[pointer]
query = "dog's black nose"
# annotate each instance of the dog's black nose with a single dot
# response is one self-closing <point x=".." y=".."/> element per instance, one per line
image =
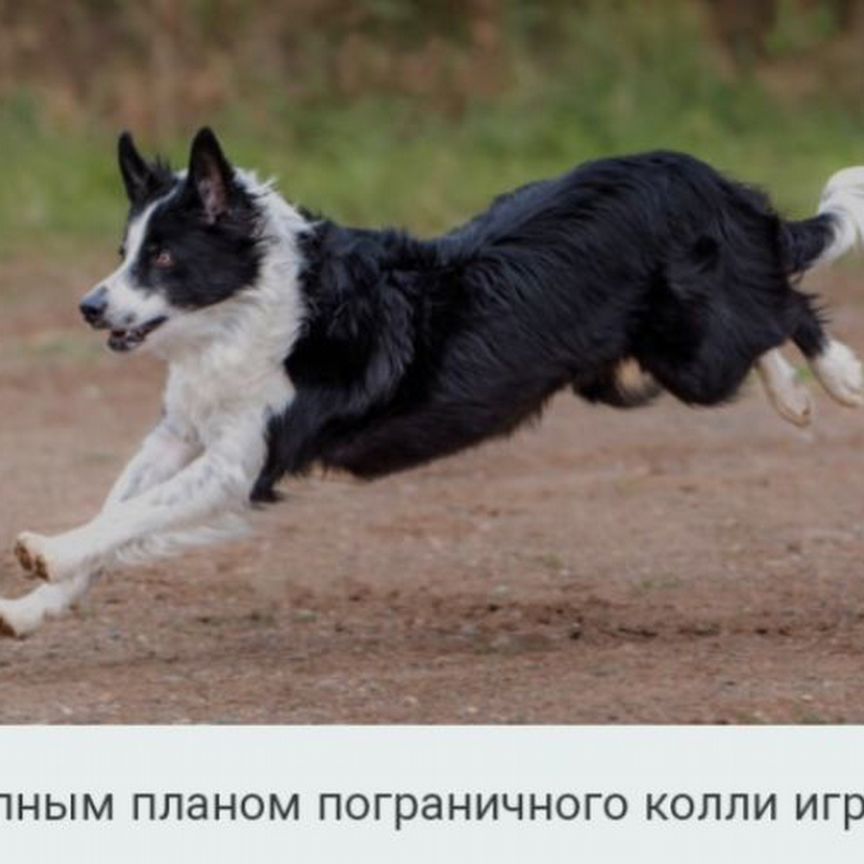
<point x="93" y="306"/>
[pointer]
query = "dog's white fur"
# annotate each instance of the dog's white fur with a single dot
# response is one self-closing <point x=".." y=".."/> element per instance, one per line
<point x="786" y="393"/>
<point x="837" y="369"/>
<point x="134" y="306"/>
<point x="843" y="198"/>
<point x="190" y="482"/>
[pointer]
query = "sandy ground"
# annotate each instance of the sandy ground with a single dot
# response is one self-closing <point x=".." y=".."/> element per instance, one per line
<point x="662" y="566"/>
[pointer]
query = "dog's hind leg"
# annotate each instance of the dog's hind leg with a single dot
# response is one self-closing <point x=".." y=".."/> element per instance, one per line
<point x="837" y="229"/>
<point x="834" y="364"/>
<point x="626" y="385"/>
<point x="786" y="393"/>
<point x="24" y="615"/>
<point x="839" y="371"/>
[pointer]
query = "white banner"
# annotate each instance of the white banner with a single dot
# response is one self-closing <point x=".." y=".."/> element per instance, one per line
<point x="412" y="795"/>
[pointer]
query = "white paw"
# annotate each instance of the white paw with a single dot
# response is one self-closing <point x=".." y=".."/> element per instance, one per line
<point x="787" y="394"/>
<point x="28" y="551"/>
<point x="53" y="559"/>
<point x="841" y="373"/>
<point x="794" y="404"/>
<point x="8" y="630"/>
<point x="15" y="623"/>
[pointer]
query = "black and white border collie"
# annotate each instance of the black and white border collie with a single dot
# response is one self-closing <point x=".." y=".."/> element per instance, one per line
<point x="292" y="341"/>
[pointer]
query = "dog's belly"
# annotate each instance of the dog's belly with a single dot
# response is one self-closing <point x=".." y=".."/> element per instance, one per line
<point x="430" y="431"/>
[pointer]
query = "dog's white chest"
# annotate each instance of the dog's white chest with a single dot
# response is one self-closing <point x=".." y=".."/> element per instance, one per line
<point x="210" y="392"/>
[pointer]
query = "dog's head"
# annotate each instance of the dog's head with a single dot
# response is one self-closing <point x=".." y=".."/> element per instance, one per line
<point x="191" y="242"/>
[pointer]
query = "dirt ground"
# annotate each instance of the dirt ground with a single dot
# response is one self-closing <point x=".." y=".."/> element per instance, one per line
<point x="661" y="566"/>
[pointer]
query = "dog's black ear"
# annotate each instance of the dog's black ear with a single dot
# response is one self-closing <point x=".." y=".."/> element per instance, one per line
<point x="137" y="174"/>
<point x="211" y="176"/>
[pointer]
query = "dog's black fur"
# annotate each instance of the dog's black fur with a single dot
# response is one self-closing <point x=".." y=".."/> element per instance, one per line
<point x="416" y="349"/>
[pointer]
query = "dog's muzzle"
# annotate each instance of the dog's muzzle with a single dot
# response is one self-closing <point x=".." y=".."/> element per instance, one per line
<point x="94" y="308"/>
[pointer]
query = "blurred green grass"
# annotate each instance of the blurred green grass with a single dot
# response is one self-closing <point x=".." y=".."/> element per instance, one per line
<point x="617" y="81"/>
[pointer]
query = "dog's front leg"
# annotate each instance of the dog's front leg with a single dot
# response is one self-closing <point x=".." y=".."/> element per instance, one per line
<point x="165" y="451"/>
<point x="24" y="615"/>
<point x="169" y="448"/>
<point x="215" y="484"/>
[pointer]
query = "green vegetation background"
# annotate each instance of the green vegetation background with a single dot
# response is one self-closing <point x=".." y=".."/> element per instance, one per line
<point x="409" y="113"/>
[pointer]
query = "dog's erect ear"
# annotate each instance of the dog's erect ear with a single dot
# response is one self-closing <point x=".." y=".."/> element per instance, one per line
<point x="211" y="176"/>
<point x="137" y="174"/>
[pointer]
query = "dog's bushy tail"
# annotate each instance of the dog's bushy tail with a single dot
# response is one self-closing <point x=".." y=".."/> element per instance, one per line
<point x="837" y="228"/>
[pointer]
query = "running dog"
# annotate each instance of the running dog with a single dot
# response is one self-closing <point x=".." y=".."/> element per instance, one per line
<point x="292" y="341"/>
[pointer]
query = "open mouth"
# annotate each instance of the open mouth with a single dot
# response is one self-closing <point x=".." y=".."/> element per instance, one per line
<point x="126" y="340"/>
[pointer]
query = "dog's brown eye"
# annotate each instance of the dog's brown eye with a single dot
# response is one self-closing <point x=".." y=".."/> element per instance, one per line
<point x="163" y="259"/>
